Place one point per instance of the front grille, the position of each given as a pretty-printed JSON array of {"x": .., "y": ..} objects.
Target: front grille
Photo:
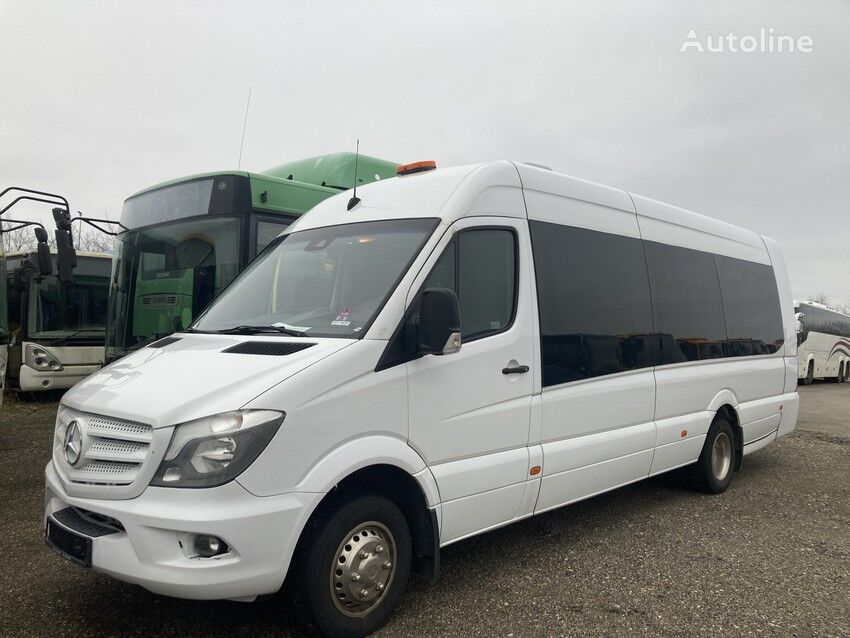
[{"x": 114, "y": 451}]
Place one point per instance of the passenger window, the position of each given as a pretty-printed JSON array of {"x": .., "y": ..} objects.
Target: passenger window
[
  {"x": 686, "y": 303},
  {"x": 751, "y": 304},
  {"x": 593, "y": 296},
  {"x": 480, "y": 266}
]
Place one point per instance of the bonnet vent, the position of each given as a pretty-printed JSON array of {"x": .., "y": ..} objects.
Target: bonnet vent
[
  {"x": 268, "y": 348},
  {"x": 164, "y": 342}
]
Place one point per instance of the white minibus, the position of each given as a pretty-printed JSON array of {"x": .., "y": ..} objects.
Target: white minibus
[
  {"x": 823, "y": 343},
  {"x": 441, "y": 354}
]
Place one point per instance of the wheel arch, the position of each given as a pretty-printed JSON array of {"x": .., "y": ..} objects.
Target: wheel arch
[{"x": 389, "y": 467}]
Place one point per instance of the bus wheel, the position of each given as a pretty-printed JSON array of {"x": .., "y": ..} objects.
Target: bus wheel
[
  {"x": 810, "y": 374},
  {"x": 713, "y": 471},
  {"x": 357, "y": 566},
  {"x": 841, "y": 373}
]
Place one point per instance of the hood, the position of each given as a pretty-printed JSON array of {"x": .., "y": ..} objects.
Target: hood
[{"x": 192, "y": 377}]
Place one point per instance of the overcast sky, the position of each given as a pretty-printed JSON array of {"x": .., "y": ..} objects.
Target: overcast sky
[{"x": 100, "y": 99}]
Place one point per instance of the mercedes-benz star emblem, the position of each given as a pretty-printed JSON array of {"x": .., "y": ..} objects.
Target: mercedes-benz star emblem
[{"x": 73, "y": 445}]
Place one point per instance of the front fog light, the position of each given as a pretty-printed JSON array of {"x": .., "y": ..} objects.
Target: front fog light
[
  {"x": 209, "y": 546},
  {"x": 214, "y": 450}
]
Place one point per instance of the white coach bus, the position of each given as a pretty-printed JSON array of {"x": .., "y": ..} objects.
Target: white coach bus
[
  {"x": 823, "y": 343},
  {"x": 443, "y": 354}
]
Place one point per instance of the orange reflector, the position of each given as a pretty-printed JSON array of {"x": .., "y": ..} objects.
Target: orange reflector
[
  {"x": 416, "y": 167},
  {"x": 534, "y": 471},
  {"x": 684, "y": 433}
]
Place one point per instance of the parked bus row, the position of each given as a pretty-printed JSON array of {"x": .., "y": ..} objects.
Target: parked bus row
[{"x": 184, "y": 240}]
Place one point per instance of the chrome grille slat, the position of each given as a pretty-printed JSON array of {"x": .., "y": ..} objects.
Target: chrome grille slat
[{"x": 114, "y": 450}]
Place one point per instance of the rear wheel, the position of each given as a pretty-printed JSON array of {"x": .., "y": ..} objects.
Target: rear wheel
[
  {"x": 357, "y": 566},
  {"x": 810, "y": 374},
  {"x": 713, "y": 471},
  {"x": 841, "y": 373}
]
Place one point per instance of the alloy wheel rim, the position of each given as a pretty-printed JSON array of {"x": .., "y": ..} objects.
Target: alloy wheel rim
[
  {"x": 363, "y": 569},
  {"x": 721, "y": 456}
]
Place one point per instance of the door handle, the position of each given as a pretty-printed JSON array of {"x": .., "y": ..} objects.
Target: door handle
[{"x": 515, "y": 370}]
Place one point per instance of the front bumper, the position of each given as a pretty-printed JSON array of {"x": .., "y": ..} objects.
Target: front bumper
[
  {"x": 260, "y": 531},
  {"x": 32, "y": 380}
]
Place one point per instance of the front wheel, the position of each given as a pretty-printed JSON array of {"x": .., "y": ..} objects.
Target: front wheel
[
  {"x": 357, "y": 566},
  {"x": 713, "y": 471}
]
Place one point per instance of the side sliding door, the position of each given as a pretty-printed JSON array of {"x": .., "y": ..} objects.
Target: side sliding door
[{"x": 597, "y": 351}]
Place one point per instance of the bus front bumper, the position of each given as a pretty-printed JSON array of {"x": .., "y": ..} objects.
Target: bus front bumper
[
  {"x": 32, "y": 380},
  {"x": 154, "y": 548}
]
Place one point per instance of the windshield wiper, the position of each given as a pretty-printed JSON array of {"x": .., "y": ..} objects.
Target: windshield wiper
[
  {"x": 68, "y": 337},
  {"x": 252, "y": 330}
]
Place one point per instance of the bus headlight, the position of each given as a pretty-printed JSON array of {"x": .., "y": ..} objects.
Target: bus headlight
[
  {"x": 41, "y": 359},
  {"x": 214, "y": 450}
]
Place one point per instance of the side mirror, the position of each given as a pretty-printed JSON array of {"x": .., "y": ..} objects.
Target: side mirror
[
  {"x": 439, "y": 322},
  {"x": 66, "y": 257},
  {"x": 45, "y": 262}
]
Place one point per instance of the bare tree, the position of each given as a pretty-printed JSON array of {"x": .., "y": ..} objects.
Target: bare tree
[
  {"x": 93, "y": 241},
  {"x": 821, "y": 298},
  {"x": 19, "y": 239}
]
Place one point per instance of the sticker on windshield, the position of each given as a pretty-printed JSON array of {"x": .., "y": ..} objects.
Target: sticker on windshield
[{"x": 337, "y": 322}]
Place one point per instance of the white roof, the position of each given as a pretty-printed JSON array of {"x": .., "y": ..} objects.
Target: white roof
[{"x": 509, "y": 189}]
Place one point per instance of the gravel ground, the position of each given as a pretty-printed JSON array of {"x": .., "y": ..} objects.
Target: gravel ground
[{"x": 770, "y": 557}]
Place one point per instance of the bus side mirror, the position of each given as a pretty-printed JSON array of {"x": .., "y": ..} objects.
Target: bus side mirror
[
  {"x": 439, "y": 322},
  {"x": 66, "y": 257},
  {"x": 45, "y": 262}
]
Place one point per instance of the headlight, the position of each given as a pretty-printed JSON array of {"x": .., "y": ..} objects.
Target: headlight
[
  {"x": 216, "y": 449},
  {"x": 41, "y": 359}
]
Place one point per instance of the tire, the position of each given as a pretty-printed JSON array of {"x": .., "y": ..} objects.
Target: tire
[
  {"x": 339, "y": 552},
  {"x": 713, "y": 470},
  {"x": 810, "y": 374},
  {"x": 841, "y": 373}
]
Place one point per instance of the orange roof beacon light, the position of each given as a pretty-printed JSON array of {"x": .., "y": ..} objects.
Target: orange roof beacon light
[{"x": 416, "y": 167}]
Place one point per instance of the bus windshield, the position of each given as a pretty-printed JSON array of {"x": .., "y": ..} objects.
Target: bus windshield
[
  {"x": 328, "y": 281},
  {"x": 70, "y": 313},
  {"x": 164, "y": 275}
]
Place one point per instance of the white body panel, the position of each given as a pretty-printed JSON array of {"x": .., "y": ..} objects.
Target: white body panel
[
  {"x": 4, "y": 357},
  {"x": 485, "y": 448}
]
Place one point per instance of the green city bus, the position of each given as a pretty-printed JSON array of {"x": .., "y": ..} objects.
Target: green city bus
[{"x": 186, "y": 239}]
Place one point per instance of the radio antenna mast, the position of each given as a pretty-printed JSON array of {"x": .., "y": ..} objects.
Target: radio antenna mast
[
  {"x": 354, "y": 199},
  {"x": 244, "y": 126}
]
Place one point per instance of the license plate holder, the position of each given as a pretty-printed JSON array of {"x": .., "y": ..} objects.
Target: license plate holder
[{"x": 73, "y": 546}]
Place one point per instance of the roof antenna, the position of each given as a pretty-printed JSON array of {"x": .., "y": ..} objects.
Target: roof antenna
[
  {"x": 354, "y": 199},
  {"x": 244, "y": 126}
]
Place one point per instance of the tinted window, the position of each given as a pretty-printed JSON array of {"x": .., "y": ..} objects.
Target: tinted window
[
  {"x": 751, "y": 306},
  {"x": 686, "y": 303},
  {"x": 480, "y": 266},
  {"x": 595, "y": 311},
  {"x": 820, "y": 320}
]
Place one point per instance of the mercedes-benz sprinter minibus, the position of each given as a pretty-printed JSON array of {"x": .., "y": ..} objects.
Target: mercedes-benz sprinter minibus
[{"x": 448, "y": 352}]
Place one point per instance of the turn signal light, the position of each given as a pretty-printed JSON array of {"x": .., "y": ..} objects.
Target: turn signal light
[
  {"x": 416, "y": 167},
  {"x": 534, "y": 471}
]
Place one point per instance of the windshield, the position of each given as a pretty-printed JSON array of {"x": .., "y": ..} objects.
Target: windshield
[
  {"x": 74, "y": 312},
  {"x": 325, "y": 282},
  {"x": 164, "y": 276}
]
